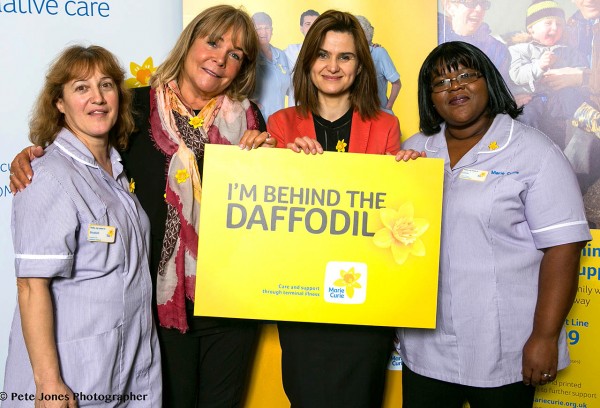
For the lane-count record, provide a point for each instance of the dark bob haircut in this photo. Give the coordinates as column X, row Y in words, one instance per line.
column 446, row 58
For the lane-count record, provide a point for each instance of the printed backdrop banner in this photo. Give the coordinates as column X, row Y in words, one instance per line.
column 404, row 30
column 33, row 33
column 579, row 384
column 332, row 238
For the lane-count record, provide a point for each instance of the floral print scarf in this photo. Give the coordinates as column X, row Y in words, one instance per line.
column 181, row 136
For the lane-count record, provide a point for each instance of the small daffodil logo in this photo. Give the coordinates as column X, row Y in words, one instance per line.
column 401, row 232
column 141, row 73
column 341, row 146
column 493, row 145
column 348, row 281
column 110, row 232
column 132, row 186
column 181, row 176
column 196, row 122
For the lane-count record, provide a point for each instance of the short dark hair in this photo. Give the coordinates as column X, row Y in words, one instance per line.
column 447, row 57
column 363, row 92
column 309, row 12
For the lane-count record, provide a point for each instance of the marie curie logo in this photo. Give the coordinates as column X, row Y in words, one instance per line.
column 345, row 282
column 395, row 363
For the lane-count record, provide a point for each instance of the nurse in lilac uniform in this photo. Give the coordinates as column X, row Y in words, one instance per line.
column 82, row 333
column 512, row 230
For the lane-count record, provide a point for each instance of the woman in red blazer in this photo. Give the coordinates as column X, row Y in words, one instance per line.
column 331, row 365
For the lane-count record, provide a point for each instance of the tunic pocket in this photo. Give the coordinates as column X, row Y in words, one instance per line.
column 92, row 365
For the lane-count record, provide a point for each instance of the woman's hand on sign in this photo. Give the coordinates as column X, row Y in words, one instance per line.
column 255, row 138
column 406, row 155
column 305, row 144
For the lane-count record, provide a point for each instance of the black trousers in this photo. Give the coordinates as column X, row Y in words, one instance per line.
column 331, row 366
column 207, row 368
column 423, row 392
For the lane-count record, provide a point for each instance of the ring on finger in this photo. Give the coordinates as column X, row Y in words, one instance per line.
column 12, row 174
column 546, row 375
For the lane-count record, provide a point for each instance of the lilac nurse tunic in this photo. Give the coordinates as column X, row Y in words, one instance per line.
column 107, row 345
column 511, row 195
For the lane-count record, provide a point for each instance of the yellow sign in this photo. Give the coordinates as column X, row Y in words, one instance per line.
column 579, row 384
column 333, row 238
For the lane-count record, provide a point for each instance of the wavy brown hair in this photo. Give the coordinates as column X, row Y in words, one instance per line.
column 363, row 92
column 73, row 63
column 213, row 23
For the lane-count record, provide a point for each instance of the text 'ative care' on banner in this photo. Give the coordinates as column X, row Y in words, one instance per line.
column 73, row 8
column 333, row 238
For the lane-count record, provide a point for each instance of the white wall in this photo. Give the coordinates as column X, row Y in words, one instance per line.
column 29, row 39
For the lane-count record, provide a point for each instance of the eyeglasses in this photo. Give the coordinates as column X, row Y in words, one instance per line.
column 461, row 79
column 485, row 4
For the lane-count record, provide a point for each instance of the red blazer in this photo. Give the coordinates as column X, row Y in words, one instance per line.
column 376, row 136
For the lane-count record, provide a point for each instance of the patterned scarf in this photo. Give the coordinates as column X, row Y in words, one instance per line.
column 182, row 136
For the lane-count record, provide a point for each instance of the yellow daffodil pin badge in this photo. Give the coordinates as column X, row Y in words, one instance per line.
column 181, row 176
column 341, row 146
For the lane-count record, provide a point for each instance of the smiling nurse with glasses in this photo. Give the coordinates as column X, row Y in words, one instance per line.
column 512, row 229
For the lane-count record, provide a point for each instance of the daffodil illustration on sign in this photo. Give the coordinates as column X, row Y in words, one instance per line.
column 181, row 176
column 196, row 122
column 348, row 281
column 141, row 73
column 401, row 232
column 493, row 145
column 341, row 146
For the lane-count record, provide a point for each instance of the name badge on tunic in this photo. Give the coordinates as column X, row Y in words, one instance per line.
column 473, row 174
column 101, row 233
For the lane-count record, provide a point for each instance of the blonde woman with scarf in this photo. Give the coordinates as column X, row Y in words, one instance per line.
column 197, row 96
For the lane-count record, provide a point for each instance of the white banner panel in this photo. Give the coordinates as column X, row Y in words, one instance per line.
column 33, row 32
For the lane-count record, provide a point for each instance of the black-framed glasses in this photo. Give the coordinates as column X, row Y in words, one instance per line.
column 461, row 79
column 485, row 4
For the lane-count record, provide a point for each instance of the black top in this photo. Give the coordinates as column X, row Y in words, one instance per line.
column 146, row 165
column 332, row 134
